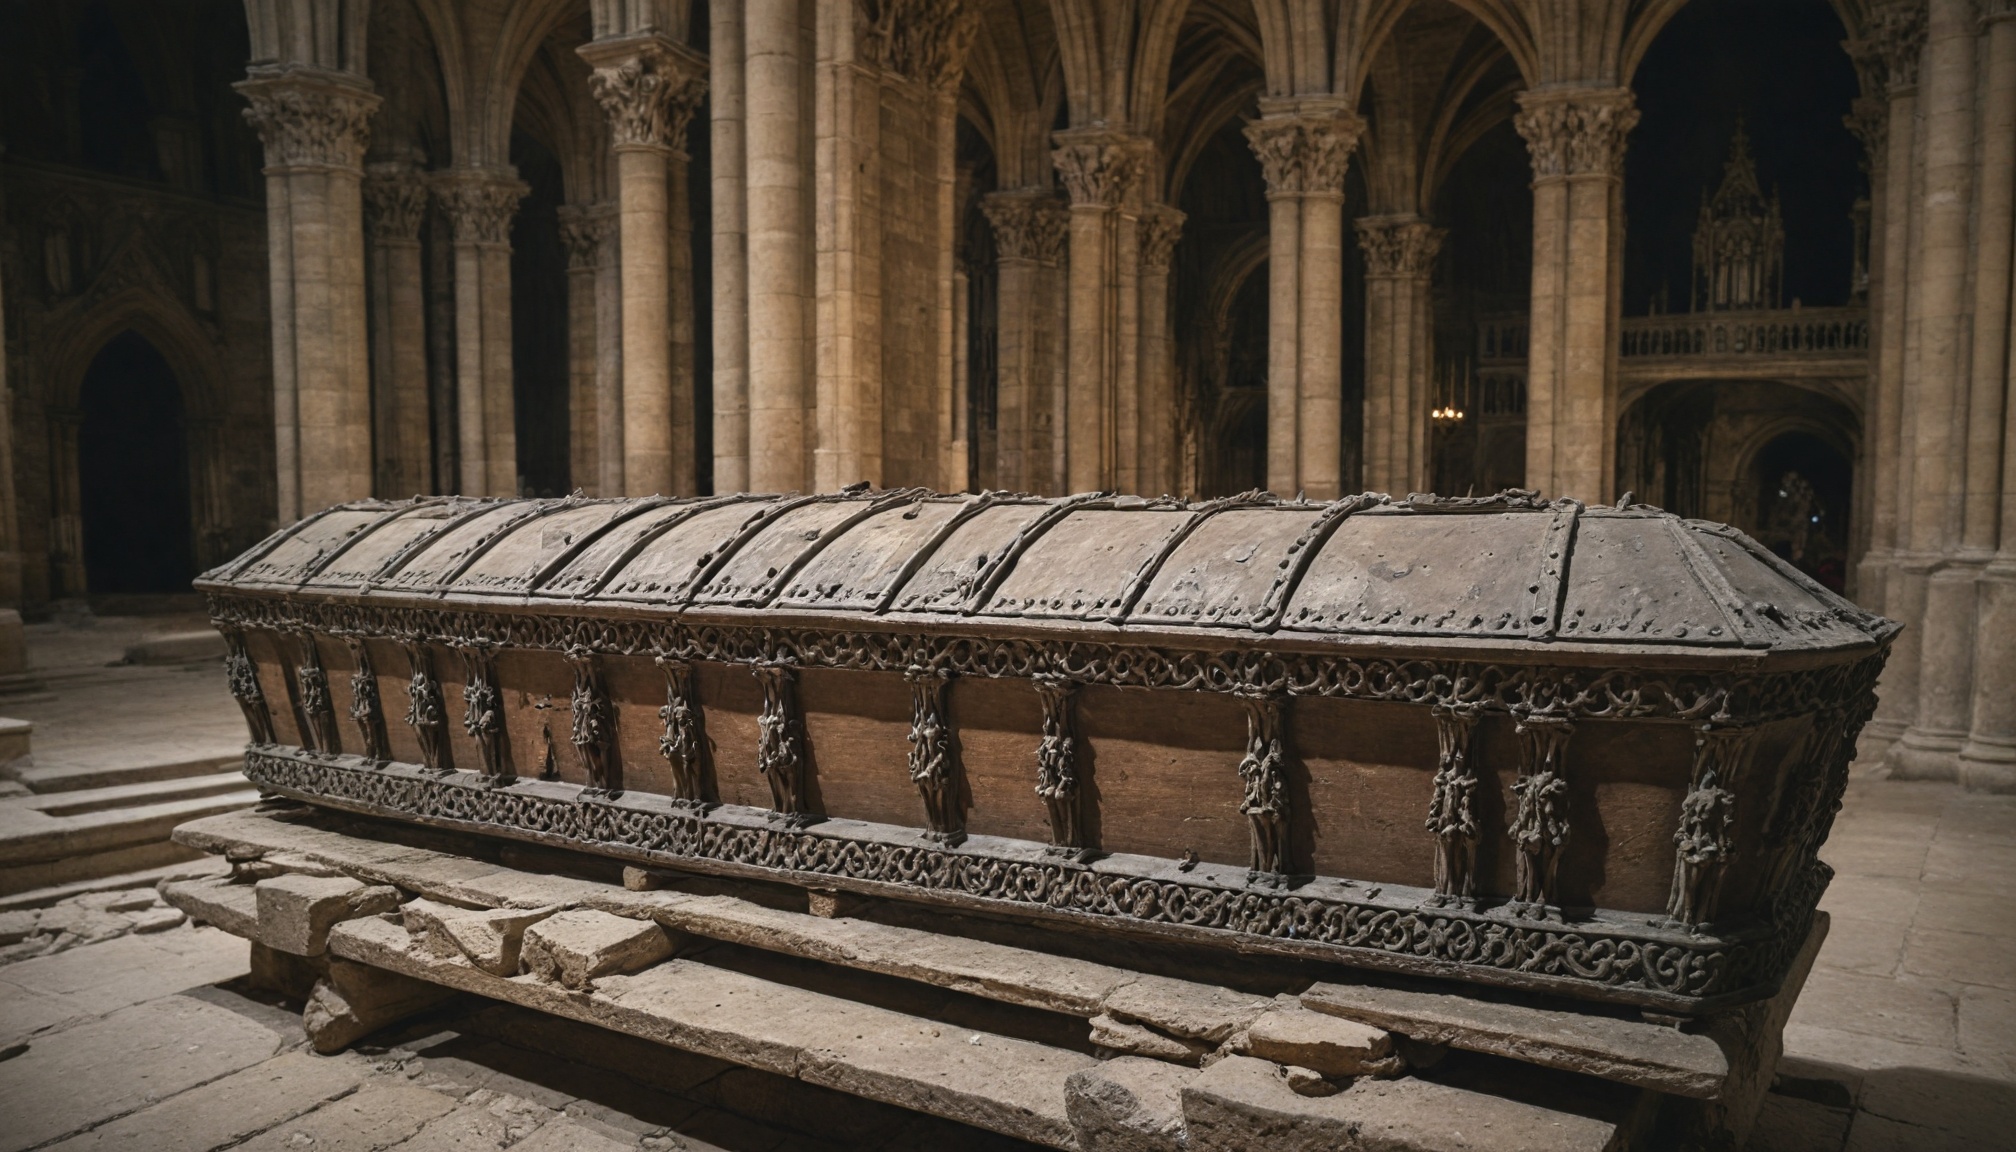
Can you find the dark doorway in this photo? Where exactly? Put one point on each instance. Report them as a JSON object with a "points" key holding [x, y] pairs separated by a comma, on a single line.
{"points": [[1803, 486], [133, 472]]}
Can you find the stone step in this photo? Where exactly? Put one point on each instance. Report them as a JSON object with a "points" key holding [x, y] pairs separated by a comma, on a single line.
{"points": [[39, 849], [133, 795], [196, 646], [129, 767]]}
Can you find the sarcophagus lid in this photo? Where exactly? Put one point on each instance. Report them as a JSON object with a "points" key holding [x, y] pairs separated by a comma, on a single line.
{"points": [[1593, 751]]}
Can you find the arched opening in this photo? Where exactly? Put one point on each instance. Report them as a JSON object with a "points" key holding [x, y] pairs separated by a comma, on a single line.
{"points": [[1803, 486], [133, 472]]}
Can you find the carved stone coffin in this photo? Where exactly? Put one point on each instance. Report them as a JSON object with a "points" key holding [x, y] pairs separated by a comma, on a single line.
{"points": [[1589, 751]]}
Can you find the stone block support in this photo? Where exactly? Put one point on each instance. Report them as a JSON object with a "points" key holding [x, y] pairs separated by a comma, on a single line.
{"points": [[649, 87], [1576, 138], [314, 124], [395, 201], [1304, 147], [1102, 172], [1030, 226], [479, 204], [1399, 349]]}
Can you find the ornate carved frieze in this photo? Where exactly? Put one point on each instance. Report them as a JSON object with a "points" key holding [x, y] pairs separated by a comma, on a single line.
{"points": [[426, 710], [1103, 169], [309, 121], [1057, 765], [934, 767], [1302, 154], [365, 710], [921, 40], [1540, 828], [649, 89], [1452, 812], [588, 232], [318, 710], [683, 742], [593, 731], [479, 204], [1160, 228], [1702, 842], [1576, 132], [1264, 801], [1027, 225], [780, 742], [395, 203], [1399, 247], [483, 710], [242, 675]]}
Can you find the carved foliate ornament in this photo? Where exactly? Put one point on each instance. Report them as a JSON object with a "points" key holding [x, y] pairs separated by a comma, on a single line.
{"points": [[1869, 120], [649, 92], [242, 675], [921, 40], [933, 763], [483, 711], [683, 742], [1891, 46], [395, 202], [1576, 132], [365, 709], [593, 725], [1027, 226], [1399, 247], [1702, 842], [1303, 155], [780, 742], [1540, 828], [1057, 765], [1452, 812], [1160, 228], [426, 711], [1264, 800], [588, 232], [307, 121], [479, 204], [1101, 168], [318, 710]]}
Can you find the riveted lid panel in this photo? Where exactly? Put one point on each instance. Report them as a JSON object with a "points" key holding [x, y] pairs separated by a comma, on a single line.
{"points": [[1631, 581], [666, 565], [297, 557], [1773, 607], [1437, 574], [1083, 567], [858, 571], [950, 577], [584, 572], [440, 557], [361, 562], [1222, 572], [511, 564], [750, 576]]}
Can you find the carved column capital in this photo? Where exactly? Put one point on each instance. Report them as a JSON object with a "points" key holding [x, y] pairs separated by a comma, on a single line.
{"points": [[1101, 168], [1576, 131], [395, 202], [1869, 120], [1398, 246], [1160, 227], [1887, 53], [921, 40], [310, 119], [648, 86], [588, 232], [1029, 224], [1304, 152], [479, 202]]}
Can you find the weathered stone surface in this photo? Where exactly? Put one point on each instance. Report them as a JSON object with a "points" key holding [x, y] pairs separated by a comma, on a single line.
{"points": [[1326, 1044], [283, 972], [1141, 1040], [295, 912], [565, 1135], [1128, 1104], [373, 1118], [1240, 1104], [574, 948], [1180, 1007], [105, 1068], [157, 920], [1627, 1051], [1308, 1082], [354, 1000], [489, 938], [116, 973], [16, 925], [226, 1111]]}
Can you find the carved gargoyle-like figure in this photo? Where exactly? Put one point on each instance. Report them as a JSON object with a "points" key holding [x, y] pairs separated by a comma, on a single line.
{"points": [[684, 741], [594, 729], [1541, 826], [1264, 773], [318, 711], [1057, 765], [483, 712], [780, 742], [426, 711], [1452, 813], [365, 709], [1701, 844], [933, 765], [243, 677]]}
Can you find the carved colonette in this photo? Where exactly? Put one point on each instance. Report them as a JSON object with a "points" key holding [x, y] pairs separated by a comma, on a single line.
{"points": [[1400, 349], [395, 207], [1103, 172], [479, 204], [1030, 229]]}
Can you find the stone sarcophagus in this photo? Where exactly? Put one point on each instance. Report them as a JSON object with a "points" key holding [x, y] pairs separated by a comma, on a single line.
{"points": [[1586, 751]]}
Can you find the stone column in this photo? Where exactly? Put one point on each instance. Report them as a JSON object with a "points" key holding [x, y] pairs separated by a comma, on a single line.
{"points": [[1935, 435], [1576, 137], [955, 460], [595, 345], [479, 204], [395, 199], [1399, 349], [847, 372], [314, 125], [649, 87], [10, 523], [1988, 759], [1029, 233], [779, 356], [1304, 146], [1101, 172], [730, 205], [1161, 227]]}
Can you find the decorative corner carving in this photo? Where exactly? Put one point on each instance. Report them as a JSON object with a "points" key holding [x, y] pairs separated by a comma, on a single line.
{"points": [[921, 40], [1540, 828], [1104, 169], [318, 710], [1028, 225], [649, 90], [483, 711], [1304, 155], [1399, 247], [780, 742], [479, 203], [1160, 228], [1057, 765], [934, 766], [309, 122], [243, 677], [1452, 812], [684, 741], [1702, 842], [395, 202], [1576, 132], [593, 729], [365, 709], [427, 711], [1264, 803]]}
